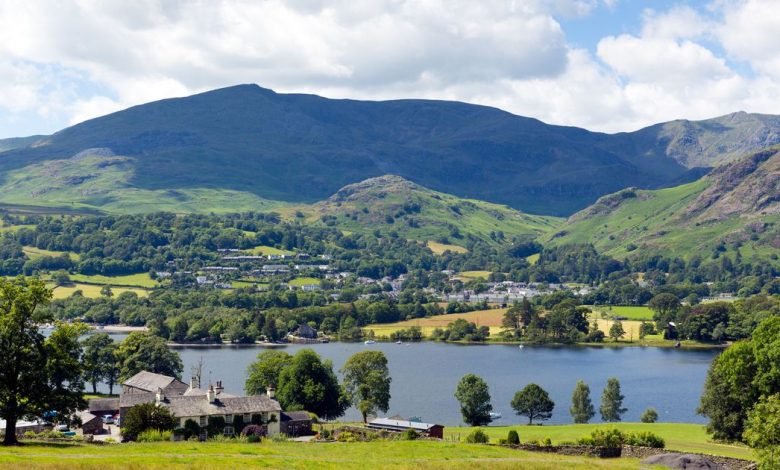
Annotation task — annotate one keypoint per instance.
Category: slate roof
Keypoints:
(148, 381)
(199, 392)
(126, 400)
(103, 404)
(85, 416)
(295, 416)
(200, 406)
(387, 423)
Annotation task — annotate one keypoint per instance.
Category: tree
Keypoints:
(534, 402)
(37, 374)
(762, 431)
(649, 416)
(612, 401)
(95, 367)
(664, 307)
(581, 405)
(144, 417)
(367, 382)
(106, 291)
(616, 331)
(310, 384)
(474, 397)
(739, 377)
(143, 351)
(265, 371)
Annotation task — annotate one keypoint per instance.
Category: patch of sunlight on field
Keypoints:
(440, 248)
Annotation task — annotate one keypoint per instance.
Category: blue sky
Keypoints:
(608, 65)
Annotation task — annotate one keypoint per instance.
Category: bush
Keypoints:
(611, 438)
(502, 442)
(325, 433)
(513, 438)
(254, 430)
(547, 442)
(477, 436)
(153, 435)
(649, 416)
(252, 439)
(645, 439)
(346, 436)
(409, 435)
(144, 417)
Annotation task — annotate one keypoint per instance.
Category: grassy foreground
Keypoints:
(678, 436)
(378, 454)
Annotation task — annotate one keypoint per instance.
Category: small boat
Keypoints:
(370, 341)
(399, 342)
(494, 415)
(520, 347)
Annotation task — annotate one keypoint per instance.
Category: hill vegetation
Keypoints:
(734, 209)
(242, 146)
(393, 204)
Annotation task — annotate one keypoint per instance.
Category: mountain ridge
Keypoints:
(299, 148)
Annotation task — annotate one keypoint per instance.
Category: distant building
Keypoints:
(305, 331)
(90, 423)
(397, 425)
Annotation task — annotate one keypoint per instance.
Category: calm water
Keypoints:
(425, 375)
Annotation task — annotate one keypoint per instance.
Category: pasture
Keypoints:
(129, 280)
(92, 291)
(34, 253)
(491, 318)
(292, 455)
(630, 312)
(268, 250)
(439, 248)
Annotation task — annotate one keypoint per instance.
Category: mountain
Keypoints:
(393, 204)
(734, 208)
(18, 142)
(244, 145)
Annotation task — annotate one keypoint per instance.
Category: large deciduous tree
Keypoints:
(533, 402)
(367, 382)
(265, 371)
(99, 359)
(310, 384)
(474, 397)
(37, 375)
(143, 351)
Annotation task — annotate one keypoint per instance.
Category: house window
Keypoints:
(229, 419)
(247, 418)
(229, 431)
(204, 421)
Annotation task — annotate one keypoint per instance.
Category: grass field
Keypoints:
(130, 280)
(33, 253)
(302, 281)
(269, 250)
(491, 318)
(474, 275)
(92, 291)
(532, 259)
(439, 248)
(293, 455)
(630, 312)
(678, 436)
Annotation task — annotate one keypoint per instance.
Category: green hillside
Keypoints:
(735, 208)
(245, 145)
(19, 142)
(394, 204)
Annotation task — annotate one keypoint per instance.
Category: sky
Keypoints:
(605, 65)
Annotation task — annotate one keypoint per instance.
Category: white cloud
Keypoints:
(76, 59)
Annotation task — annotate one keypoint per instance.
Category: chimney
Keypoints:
(159, 397)
(270, 390)
(211, 394)
(219, 388)
(194, 383)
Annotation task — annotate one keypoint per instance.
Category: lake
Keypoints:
(425, 375)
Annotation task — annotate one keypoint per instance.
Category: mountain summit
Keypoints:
(256, 145)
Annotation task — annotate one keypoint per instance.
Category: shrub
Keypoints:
(649, 416)
(645, 439)
(325, 433)
(547, 442)
(513, 438)
(253, 430)
(252, 439)
(611, 438)
(477, 436)
(153, 435)
(346, 436)
(409, 435)
(146, 416)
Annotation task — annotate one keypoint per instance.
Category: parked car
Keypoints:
(62, 427)
(108, 419)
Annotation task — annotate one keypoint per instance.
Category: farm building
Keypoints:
(104, 406)
(90, 423)
(305, 331)
(296, 423)
(398, 425)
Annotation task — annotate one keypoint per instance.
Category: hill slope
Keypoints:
(394, 204)
(302, 148)
(736, 207)
(18, 142)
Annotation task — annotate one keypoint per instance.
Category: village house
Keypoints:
(190, 402)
